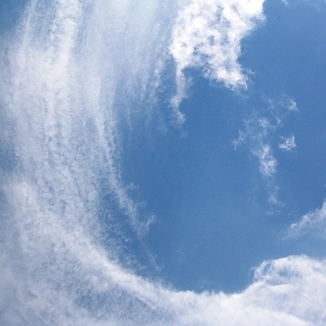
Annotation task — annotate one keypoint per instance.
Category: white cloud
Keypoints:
(292, 105)
(285, 2)
(288, 144)
(287, 291)
(260, 129)
(61, 96)
(67, 64)
(257, 136)
(288, 103)
(313, 222)
(267, 161)
(208, 35)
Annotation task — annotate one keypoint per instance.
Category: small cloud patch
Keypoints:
(288, 144)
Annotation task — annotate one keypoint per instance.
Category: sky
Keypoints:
(162, 163)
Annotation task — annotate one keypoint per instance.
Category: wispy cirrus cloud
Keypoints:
(311, 223)
(207, 35)
(259, 133)
(267, 161)
(54, 270)
(256, 136)
(286, 291)
(288, 143)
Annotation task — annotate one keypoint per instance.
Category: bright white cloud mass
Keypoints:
(207, 35)
(79, 78)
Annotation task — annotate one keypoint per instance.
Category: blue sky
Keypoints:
(162, 164)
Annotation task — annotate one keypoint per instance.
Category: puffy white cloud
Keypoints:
(208, 35)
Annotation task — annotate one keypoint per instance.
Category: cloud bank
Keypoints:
(287, 291)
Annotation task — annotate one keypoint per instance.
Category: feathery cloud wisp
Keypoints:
(313, 222)
(288, 144)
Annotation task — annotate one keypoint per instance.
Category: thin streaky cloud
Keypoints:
(311, 223)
